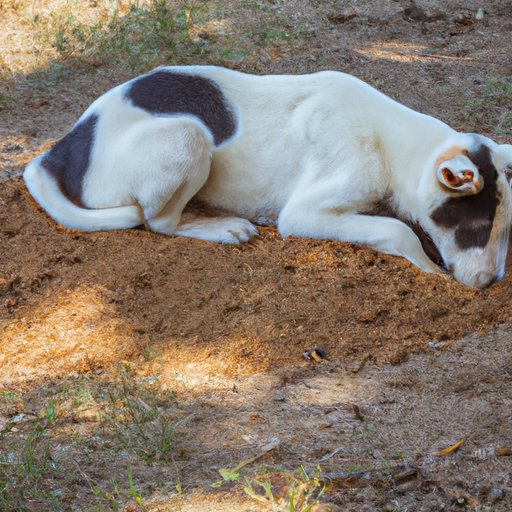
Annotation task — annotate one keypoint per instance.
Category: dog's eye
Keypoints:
(508, 174)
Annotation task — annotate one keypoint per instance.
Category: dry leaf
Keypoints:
(451, 449)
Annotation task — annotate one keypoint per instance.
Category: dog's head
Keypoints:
(469, 208)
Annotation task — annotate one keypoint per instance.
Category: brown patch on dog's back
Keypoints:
(69, 158)
(472, 216)
(166, 92)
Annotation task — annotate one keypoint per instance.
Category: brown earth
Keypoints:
(425, 360)
(236, 310)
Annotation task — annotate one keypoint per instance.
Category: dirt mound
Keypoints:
(75, 302)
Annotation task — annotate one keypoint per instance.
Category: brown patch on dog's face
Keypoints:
(451, 153)
(472, 216)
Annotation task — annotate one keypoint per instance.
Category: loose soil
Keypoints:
(414, 362)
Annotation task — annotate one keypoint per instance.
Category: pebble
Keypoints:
(279, 396)
(496, 494)
(436, 345)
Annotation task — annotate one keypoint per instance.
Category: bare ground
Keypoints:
(414, 362)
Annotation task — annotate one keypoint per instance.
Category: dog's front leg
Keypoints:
(313, 218)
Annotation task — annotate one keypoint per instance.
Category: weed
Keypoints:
(131, 486)
(233, 55)
(9, 396)
(266, 36)
(286, 491)
(228, 475)
(111, 501)
(351, 470)
(189, 13)
(140, 418)
(136, 35)
(504, 126)
(149, 354)
(494, 96)
(125, 414)
(25, 466)
(276, 488)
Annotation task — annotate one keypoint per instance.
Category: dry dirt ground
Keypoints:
(414, 362)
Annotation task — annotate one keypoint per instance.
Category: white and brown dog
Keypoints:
(316, 154)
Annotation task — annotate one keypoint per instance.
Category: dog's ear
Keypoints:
(459, 174)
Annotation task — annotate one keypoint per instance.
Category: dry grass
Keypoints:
(42, 40)
(84, 436)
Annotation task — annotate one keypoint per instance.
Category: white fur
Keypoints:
(311, 151)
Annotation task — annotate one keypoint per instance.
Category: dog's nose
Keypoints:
(483, 280)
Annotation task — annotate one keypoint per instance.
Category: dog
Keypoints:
(316, 155)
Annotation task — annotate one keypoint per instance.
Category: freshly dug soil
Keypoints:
(237, 309)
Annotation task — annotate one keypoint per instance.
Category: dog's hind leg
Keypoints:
(177, 162)
(173, 157)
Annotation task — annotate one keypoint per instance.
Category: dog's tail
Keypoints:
(45, 190)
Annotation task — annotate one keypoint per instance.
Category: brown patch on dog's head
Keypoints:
(472, 216)
(451, 153)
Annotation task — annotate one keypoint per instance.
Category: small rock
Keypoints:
(12, 147)
(408, 486)
(432, 345)
(132, 506)
(415, 13)
(315, 354)
(20, 418)
(496, 494)
(464, 19)
(386, 398)
(343, 17)
(279, 396)
(356, 365)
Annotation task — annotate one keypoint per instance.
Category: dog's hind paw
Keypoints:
(226, 230)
